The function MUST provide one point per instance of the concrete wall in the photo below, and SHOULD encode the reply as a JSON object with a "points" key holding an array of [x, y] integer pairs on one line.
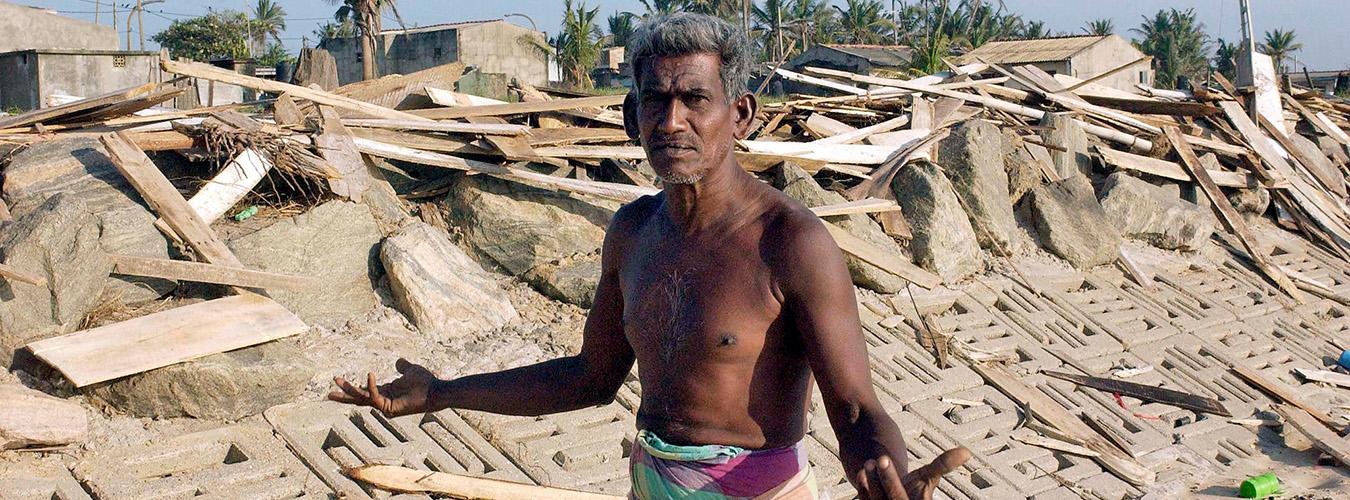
{"points": [[18, 88], [88, 74], [30, 28], [497, 48], [1108, 54]]}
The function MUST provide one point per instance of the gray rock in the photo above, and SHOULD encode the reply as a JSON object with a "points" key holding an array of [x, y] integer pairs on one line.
{"points": [[572, 280], [229, 385], [518, 228], [944, 242], [1250, 201], [130, 230], [1024, 170], [1143, 211], [31, 418], [1333, 149], [76, 166], [58, 240], [1320, 162], [800, 186], [334, 243], [973, 158], [1072, 224], [1062, 131], [438, 286]]}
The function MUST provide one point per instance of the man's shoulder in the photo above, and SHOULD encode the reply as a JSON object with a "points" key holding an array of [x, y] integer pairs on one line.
{"points": [[794, 228], [634, 213]]}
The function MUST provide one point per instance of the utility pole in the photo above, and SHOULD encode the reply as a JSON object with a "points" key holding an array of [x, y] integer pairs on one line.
{"points": [[97, 5], [778, 29]]}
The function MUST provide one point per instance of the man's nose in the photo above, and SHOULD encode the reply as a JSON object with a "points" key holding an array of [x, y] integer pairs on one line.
{"points": [[675, 119]]}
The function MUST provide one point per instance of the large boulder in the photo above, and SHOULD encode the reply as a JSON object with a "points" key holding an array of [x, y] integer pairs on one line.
{"points": [[58, 240], [973, 158], [799, 185], [944, 241], [1319, 162], [1061, 131], [1333, 149], [1143, 211], [438, 286], [31, 418], [518, 228], [1072, 224], [130, 230], [1024, 169], [230, 385], [572, 280], [335, 244]]}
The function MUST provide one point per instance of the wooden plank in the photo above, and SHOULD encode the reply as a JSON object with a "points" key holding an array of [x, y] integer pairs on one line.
{"points": [[513, 148], [168, 337], [823, 126], [421, 140], [399, 479], [1059, 418], [230, 185], [853, 154], [55, 112], [166, 201], [1259, 381], [540, 137], [13, 273], [1321, 438], [130, 265], [887, 261], [439, 126], [335, 144], [1171, 170], [1146, 392], [1228, 215], [30, 419], [1329, 377], [164, 140], [820, 82], [209, 72], [630, 153], [862, 133], [868, 205], [518, 108], [1108, 72], [1310, 165], [1055, 444], [1152, 107]]}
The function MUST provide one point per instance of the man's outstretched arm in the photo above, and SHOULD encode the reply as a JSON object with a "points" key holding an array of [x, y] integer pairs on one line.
{"points": [[589, 378], [818, 294]]}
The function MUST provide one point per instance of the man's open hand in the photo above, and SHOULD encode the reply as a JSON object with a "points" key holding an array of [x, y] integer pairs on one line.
{"points": [[406, 395], [879, 479]]}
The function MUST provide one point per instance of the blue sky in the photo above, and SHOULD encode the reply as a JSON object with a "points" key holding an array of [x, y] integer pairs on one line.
{"points": [[1321, 24]]}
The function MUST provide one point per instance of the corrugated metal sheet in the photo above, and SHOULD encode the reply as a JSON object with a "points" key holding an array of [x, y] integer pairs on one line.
{"points": [[1029, 51]]}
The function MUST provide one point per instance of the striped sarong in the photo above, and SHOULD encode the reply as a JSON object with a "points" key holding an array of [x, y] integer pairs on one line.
{"points": [[661, 470]]}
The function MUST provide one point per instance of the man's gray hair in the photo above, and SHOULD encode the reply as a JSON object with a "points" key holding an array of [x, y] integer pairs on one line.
{"points": [[687, 33]]}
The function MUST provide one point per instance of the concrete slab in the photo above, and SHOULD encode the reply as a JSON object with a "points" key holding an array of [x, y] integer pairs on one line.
{"points": [[1098, 301], [46, 481], [584, 449]]}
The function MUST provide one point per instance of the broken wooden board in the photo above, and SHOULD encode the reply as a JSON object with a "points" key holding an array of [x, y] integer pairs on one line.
{"points": [[540, 137], [867, 205], [1329, 377], [853, 154], [209, 72], [230, 185], [1170, 170], [130, 265], [1152, 107], [1231, 220], [12, 273], [1256, 379], [168, 337], [440, 126], [891, 263], [823, 126], [1059, 418], [335, 144], [399, 479], [41, 115], [1055, 444], [146, 178], [397, 91], [518, 108], [29, 418], [1322, 438], [1334, 183], [858, 135], [1146, 393], [421, 140]]}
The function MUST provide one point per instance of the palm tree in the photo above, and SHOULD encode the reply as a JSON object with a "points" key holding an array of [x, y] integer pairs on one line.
{"points": [[769, 22], [862, 22], [1034, 29], [1225, 59], [1100, 27], [620, 28], [578, 44], [658, 7], [730, 10], [269, 19], [1178, 44], [1278, 45], [331, 30], [365, 16], [815, 22]]}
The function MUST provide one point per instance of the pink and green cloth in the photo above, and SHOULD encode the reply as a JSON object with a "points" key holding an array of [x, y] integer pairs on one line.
{"points": [[661, 470]]}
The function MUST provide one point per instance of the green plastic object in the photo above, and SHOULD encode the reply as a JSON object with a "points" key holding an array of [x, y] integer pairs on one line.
{"points": [[1260, 486], [246, 213]]}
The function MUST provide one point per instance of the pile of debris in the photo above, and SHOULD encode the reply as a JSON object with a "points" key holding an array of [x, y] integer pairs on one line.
{"points": [[313, 207]]}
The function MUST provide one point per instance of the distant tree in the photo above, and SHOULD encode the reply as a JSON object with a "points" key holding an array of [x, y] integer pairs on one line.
{"points": [[815, 22], [275, 53], [862, 22], [221, 34], [1034, 29], [730, 10], [269, 19], [620, 28], [658, 7], [769, 23], [976, 22], [578, 44], [1225, 59], [330, 30], [365, 16], [1178, 44], [1278, 45], [1100, 27]]}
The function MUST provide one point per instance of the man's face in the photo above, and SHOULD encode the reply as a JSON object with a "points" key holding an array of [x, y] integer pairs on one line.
{"points": [[683, 118]]}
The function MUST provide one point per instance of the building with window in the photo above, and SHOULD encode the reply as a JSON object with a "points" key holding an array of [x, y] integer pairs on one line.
{"points": [[491, 46]]}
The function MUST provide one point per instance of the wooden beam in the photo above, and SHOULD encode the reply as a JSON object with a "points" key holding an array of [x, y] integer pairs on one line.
{"points": [[130, 265], [399, 479], [1108, 73], [540, 137], [867, 205], [1335, 184], [1325, 376], [1154, 107], [1170, 170], [1146, 393], [1055, 444], [1326, 441], [858, 135], [168, 337], [335, 144], [209, 72], [41, 115], [887, 261], [1232, 221], [440, 126], [518, 108], [1259, 381], [230, 185], [13, 273]]}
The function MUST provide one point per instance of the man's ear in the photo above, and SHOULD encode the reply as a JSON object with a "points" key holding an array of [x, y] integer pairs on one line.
{"points": [[630, 125], [746, 108]]}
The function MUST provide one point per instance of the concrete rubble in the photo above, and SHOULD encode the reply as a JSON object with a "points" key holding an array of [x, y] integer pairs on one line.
{"points": [[1015, 229]]}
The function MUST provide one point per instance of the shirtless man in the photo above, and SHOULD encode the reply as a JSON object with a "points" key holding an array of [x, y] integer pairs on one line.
{"points": [[727, 293]]}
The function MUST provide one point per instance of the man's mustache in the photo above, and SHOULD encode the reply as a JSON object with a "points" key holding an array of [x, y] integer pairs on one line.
{"points": [[663, 141]]}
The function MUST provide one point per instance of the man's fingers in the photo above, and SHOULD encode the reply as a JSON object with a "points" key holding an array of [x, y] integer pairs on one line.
{"points": [[379, 402], [352, 391], [948, 461], [402, 365], [890, 479], [876, 488], [342, 397]]}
